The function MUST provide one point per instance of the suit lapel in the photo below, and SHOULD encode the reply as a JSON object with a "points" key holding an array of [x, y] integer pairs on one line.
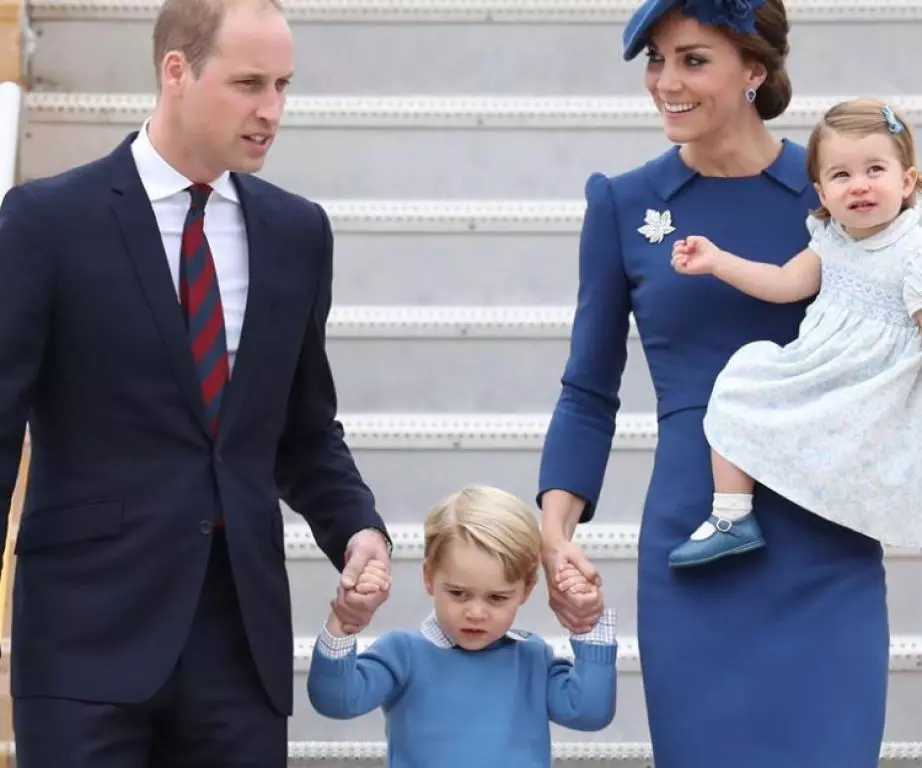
{"points": [[256, 319], [144, 245]]}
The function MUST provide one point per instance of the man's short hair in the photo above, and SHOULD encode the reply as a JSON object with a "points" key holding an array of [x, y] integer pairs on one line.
{"points": [[191, 26]]}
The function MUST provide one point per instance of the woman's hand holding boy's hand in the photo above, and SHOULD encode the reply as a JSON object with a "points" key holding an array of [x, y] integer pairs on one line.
{"points": [[571, 581]]}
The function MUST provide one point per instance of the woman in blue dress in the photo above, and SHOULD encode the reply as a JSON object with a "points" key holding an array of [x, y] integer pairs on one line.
{"points": [[779, 658]]}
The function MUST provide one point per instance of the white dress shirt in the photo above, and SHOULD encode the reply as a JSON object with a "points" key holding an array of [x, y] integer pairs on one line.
{"points": [[224, 228]]}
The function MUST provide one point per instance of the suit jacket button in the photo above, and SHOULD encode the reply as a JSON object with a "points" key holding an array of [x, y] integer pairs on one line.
{"points": [[205, 527]]}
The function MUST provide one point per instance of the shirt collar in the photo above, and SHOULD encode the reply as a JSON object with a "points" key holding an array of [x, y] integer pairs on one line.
{"points": [[433, 632], [161, 180], [907, 222], [668, 173]]}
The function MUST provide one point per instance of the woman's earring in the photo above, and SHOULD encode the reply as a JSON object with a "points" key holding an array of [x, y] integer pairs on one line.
{"points": [[750, 95]]}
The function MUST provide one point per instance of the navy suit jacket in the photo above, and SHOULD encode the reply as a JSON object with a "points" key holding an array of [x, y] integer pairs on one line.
{"points": [[124, 476]]}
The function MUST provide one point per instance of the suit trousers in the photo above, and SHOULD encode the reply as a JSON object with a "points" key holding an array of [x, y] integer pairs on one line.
{"points": [[212, 712]]}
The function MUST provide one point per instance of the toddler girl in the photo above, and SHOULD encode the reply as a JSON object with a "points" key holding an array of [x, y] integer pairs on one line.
{"points": [[831, 420]]}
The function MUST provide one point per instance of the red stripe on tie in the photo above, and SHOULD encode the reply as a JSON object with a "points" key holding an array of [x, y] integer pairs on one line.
{"points": [[214, 382], [192, 237], [206, 337], [210, 337], [200, 289]]}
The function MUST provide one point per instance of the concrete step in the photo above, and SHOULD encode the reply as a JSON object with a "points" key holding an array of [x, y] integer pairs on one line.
{"points": [[468, 252], [413, 147], [471, 46], [630, 723], [473, 359], [611, 547], [412, 460]]}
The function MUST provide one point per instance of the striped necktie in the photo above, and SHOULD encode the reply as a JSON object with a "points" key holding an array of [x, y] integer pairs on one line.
{"points": [[201, 303]]}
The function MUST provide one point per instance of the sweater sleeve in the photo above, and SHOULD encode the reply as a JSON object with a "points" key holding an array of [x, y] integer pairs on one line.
{"points": [[343, 684], [581, 694]]}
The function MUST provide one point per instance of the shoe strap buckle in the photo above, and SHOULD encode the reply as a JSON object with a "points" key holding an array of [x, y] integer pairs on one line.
{"points": [[723, 525]]}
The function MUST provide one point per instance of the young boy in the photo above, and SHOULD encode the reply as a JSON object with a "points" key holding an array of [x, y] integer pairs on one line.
{"points": [[466, 689]]}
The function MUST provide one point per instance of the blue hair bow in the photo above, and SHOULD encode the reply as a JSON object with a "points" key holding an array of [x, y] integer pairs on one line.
{"points": [[736, 14], [893, 124]]}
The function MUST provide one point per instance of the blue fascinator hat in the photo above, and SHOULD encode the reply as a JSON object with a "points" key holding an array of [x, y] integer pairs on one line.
{"points": [[739, 15]]}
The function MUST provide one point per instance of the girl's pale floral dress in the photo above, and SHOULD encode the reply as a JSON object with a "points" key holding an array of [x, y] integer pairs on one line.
{"points": [[833, 420]]}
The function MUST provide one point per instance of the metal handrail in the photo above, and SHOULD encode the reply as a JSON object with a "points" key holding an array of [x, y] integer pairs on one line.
{"points": [[10, 110]]}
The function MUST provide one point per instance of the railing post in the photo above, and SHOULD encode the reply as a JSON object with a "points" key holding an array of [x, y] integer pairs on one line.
{"points": [[6, 612], [12, 25], [10, 108], [12, 80]]}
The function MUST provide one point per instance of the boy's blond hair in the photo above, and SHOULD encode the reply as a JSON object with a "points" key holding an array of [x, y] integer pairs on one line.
{"points": [[863, 117], [496, 521]]}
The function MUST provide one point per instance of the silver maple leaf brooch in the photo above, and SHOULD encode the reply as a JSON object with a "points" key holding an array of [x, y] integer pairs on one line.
{"points": [[656, 225]]}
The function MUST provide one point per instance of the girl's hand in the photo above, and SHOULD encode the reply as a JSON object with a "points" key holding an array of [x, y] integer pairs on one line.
{"points": [[695, 255]]}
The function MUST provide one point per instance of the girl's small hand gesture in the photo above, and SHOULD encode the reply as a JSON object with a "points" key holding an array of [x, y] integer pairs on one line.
{"points": [[695, 255]]}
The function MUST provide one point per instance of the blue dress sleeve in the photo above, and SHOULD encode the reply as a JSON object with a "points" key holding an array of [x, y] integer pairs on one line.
{"points": [[352, 684], [578, 441]]}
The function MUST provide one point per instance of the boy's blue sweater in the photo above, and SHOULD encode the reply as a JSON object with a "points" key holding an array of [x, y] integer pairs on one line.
{"points": [[453, 708]]}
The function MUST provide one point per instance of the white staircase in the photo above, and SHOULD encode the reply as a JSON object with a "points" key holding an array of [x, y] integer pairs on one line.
{"points": [[449, 140]]}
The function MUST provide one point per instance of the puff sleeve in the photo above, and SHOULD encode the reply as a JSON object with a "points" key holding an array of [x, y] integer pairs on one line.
{"points": [[912, 282], [818, 230]]}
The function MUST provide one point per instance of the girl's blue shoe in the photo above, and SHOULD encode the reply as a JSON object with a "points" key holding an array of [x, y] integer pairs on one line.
{"points": [[729, 538]]}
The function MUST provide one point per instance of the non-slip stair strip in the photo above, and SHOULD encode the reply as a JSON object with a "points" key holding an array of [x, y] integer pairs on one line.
{"points": [[455, 216], [451, 431], [908, 751], [495, 11], [477, 112], [903, 753], [905, 652], [450, 322], [600, 541]]}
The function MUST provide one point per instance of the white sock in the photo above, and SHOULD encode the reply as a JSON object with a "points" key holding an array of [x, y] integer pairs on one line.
{"points": [[730, 506]]}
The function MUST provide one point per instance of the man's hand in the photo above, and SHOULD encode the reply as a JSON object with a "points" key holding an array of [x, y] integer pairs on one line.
{"points": [[365, 581]]}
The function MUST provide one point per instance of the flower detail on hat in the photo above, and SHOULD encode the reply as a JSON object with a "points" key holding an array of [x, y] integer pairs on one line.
{"points": [[736, 14]]}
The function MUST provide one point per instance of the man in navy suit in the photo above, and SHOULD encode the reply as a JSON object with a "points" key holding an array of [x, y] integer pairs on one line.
{"points": [[162, 319]]}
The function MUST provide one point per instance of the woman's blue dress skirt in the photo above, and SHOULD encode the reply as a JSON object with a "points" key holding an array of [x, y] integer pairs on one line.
{"points": [[796, 677]]}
